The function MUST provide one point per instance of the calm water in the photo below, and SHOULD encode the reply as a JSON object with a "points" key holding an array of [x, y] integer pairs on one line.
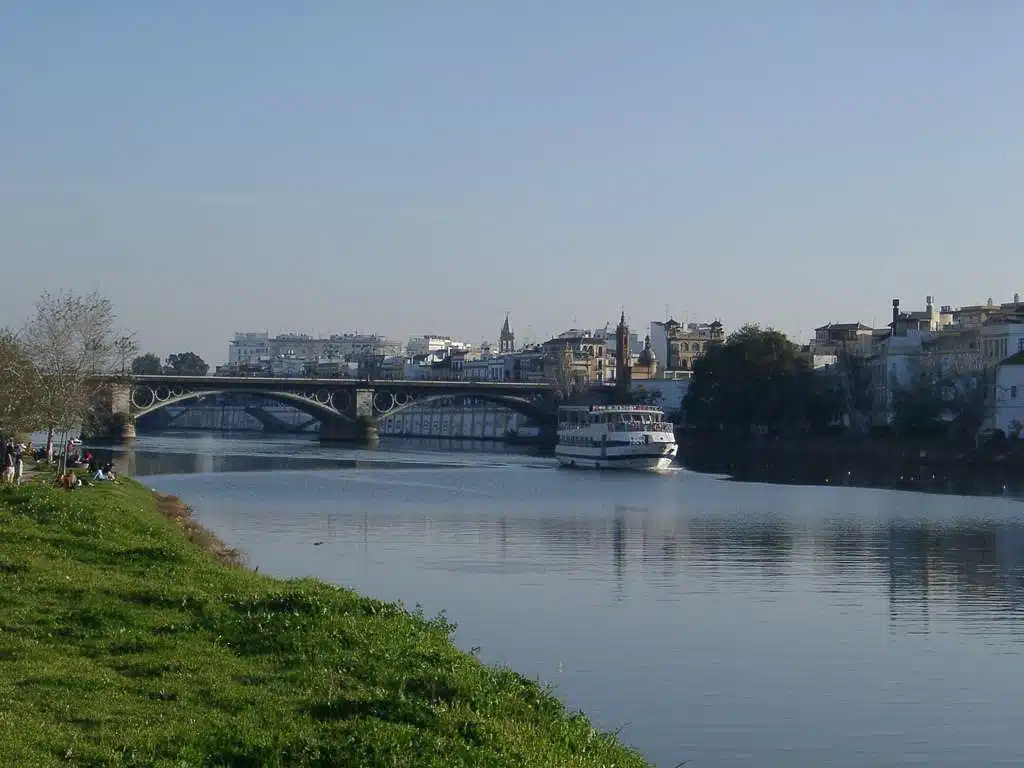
{"points": [[722, 623]]}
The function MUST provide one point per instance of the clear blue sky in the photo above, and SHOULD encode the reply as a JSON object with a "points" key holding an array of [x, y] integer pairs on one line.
{"points": [[412, 167]]}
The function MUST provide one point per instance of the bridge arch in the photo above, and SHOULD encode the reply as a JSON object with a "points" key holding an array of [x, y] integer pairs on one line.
{"points": [[317, 410], [526, 406]]}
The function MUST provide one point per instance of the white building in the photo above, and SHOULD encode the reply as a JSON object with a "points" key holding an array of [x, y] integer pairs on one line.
{"points": [[429, 343], [287, 366], [484, 369], [670, 391], [260, 347], [355, 346], [1000, 341], [1006, 404], [248, 348], [894, 364]]}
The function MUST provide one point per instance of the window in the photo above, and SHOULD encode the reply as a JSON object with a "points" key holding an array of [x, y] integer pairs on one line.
{"points": [[1013, 391], [1020, 344]]}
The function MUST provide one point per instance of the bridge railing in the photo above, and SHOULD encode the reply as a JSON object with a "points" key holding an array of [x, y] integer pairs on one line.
{"points": [[214, 381]]}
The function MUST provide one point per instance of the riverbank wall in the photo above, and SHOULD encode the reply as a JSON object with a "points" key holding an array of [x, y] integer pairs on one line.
{"points": [[926, 465], [861, 448], [131, 635]]}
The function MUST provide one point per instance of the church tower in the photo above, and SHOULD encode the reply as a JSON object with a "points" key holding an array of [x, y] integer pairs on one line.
{"points": [[506, 339], [623, 361]]}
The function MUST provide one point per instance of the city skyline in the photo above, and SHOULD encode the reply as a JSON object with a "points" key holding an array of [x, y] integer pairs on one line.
{"points": [[218, 169]]}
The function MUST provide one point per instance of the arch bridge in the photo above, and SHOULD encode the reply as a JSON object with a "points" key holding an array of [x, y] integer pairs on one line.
{"points": [[347, 409]]}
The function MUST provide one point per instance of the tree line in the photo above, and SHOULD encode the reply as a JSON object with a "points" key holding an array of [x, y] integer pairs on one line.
{"points": [[51, 367], [180, 364], [758, 382]]}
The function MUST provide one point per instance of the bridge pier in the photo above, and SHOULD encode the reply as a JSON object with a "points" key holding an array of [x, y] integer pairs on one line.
{"points": [[362, 431], [110, 419], [358, 426]]}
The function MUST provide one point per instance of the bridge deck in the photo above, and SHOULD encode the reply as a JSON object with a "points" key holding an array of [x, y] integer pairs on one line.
{"points": [[214, 382]]}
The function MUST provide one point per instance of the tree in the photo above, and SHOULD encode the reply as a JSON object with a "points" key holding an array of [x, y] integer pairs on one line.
{"points": [[19, 405], [644, 396], [125, 347], [186, 364], [147, 365], [560, 366], [756, 381], [856, 387], [70, 340], [945, 396]]}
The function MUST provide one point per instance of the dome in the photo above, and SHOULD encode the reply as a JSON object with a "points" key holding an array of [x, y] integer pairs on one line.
{"points": [[647, 356]]}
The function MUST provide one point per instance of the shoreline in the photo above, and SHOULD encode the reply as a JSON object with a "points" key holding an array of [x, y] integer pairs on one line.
{"points": [[132, 632]]}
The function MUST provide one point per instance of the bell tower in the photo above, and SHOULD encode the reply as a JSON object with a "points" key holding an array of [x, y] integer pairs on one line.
{"points": [[506, 339], [623, 369]]}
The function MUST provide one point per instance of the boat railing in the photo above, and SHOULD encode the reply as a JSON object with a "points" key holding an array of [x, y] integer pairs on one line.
{"points": [[657, 426]]}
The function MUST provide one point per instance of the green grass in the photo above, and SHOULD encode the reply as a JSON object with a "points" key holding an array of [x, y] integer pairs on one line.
{"points": [[125, 642]]}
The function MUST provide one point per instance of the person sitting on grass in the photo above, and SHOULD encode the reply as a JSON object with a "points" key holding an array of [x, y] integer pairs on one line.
{"points": [[106, 472]]}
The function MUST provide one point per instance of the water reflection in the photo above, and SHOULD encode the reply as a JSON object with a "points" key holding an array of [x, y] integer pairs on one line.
{"points": [[863, 472], [975, 562]]}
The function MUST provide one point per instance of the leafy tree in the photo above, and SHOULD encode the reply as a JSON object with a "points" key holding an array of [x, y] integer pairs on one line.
{"points": [[945, 396], [147, 365], [70, 340], [855, 388], [186, 364], [647, 397], [757, 381]]}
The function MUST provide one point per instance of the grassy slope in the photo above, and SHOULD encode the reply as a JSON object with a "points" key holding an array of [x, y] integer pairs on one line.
{"points": [[123, 643]]}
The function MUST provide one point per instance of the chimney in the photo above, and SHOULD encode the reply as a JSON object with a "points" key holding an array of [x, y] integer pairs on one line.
{"points": [[1016, 298]]}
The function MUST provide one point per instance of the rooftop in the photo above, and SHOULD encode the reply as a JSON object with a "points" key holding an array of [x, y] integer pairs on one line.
{"points": [[1014, 359], [845, 327]]}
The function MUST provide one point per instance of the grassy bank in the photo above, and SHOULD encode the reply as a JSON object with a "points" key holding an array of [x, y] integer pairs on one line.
{"points": [[128, 637]]}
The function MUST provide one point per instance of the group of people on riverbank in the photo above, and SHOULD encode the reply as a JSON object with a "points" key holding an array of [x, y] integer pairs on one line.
{"points": [[97, 471], [13, 456]]}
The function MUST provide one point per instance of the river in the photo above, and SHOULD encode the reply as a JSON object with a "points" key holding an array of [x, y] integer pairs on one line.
{"points": [[718, 622]]}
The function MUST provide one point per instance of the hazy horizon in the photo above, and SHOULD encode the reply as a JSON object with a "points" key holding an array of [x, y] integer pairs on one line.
{"points": [[330, 168]]}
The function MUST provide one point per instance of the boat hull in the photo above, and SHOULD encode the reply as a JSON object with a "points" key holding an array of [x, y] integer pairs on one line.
{"points": [[644, 460]]}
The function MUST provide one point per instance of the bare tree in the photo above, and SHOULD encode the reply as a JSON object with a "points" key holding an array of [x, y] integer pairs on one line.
{"points": [[19, 385], [561, 370], [125, 350], [71, 341]]}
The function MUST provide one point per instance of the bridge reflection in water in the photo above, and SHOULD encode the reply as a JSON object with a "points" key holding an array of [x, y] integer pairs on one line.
{"points": [[450, 417]]}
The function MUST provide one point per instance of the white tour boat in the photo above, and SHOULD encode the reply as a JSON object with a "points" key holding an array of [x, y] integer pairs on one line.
{"points": [[615, 437]]}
